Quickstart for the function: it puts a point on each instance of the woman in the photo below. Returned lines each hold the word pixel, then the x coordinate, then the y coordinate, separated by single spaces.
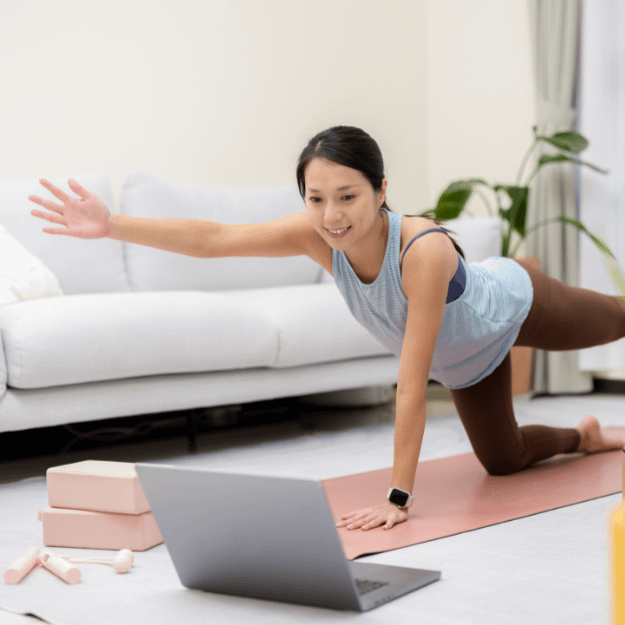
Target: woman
pixel 408 283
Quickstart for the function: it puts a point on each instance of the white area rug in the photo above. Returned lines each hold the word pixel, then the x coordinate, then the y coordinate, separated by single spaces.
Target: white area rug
pixel 548 568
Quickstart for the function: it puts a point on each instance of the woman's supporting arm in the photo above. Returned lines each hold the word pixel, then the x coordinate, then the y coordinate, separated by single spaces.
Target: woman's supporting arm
pixel 409 428
pixel 425 281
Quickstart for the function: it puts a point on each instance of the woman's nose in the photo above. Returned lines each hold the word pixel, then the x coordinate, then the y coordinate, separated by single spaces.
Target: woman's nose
pixel 333 212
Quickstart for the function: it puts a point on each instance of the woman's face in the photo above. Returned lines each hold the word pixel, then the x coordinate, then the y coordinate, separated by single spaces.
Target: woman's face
pixel 341 203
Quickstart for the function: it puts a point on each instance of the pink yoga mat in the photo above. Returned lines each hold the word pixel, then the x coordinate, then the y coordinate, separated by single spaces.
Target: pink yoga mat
pixel 455 495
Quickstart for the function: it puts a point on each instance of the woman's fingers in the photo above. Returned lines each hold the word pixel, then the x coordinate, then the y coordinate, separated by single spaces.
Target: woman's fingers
pixel 78 189
pixel 369 522
pixel 58 193
pixel 64 231
pixel 369 518
pixel 52 206
pixel 353 516
pixel 377 520
pixel 55 219
pixel 357 519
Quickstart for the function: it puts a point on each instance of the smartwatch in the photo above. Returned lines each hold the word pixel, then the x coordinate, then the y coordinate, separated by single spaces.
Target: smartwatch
pixel 399 497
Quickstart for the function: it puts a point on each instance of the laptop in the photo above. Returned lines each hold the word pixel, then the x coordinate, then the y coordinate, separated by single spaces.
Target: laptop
pixel 265 537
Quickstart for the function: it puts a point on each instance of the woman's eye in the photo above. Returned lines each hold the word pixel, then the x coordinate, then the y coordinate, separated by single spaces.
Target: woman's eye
pixel 313 199
pixel 348 197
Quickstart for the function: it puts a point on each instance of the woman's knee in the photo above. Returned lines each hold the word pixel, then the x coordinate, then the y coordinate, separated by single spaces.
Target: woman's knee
pixel 502 465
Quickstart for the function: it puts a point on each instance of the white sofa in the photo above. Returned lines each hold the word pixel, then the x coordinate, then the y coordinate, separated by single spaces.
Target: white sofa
pixel 139 331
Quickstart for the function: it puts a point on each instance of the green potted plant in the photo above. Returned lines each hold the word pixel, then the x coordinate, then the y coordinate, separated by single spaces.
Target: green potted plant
pixel 511 206
pixel 511 200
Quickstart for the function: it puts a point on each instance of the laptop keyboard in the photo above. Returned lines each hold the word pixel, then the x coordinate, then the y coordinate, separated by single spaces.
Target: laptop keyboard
pixel 367 585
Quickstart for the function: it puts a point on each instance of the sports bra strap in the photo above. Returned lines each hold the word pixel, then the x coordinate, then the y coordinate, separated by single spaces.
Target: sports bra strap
pixel 401 262
pixel 457 284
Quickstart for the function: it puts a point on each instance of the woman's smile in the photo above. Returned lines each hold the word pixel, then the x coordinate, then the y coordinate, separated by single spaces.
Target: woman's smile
pixel 338 232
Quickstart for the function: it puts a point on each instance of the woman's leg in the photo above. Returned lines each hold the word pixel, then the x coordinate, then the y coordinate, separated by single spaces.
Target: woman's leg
pixel 566 317
pixel 487 413
pixel 561 317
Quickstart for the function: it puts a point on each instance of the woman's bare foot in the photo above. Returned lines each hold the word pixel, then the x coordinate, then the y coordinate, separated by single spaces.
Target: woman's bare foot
pixel 594 438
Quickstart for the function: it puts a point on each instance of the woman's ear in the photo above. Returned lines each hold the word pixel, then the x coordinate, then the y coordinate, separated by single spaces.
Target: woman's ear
pixel 382 192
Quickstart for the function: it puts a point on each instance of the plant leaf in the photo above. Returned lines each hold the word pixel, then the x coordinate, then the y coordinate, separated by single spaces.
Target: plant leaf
pixel 469 183
pixel 607 256
pixel 597 241
pixel 563 158
pixel 451 209
pixel 516 214
pixel 454 198
pixel 615 272
pixel 569 141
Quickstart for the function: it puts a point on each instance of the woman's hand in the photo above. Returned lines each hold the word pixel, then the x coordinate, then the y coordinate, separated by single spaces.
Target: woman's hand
pixel 85 217
pixel 368 518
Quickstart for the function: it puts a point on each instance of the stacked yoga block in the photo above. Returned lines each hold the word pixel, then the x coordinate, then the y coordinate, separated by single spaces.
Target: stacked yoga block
pixel 97 504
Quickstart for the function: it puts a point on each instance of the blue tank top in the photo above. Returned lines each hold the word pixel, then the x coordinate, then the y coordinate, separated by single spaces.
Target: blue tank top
pixel 481 321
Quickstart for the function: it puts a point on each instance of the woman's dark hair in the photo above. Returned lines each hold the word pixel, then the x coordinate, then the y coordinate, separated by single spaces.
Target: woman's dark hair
pixel 346 146
pixel 354 148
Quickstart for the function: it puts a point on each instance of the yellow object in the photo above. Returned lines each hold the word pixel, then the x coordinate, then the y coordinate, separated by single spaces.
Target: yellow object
pixel 618 566
pixel 617 540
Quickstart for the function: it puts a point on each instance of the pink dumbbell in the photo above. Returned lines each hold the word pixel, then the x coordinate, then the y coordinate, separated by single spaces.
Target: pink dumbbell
pixel 60 565
pixel 19 569
pixel 61 568
pixel 122 561
pixel 32 558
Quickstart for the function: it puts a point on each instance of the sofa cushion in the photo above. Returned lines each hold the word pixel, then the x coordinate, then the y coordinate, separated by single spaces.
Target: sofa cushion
pixel 79 266
pixel 87 338
pixel 22 275
pixel 313 322
pixel 144 195
pixel 479 237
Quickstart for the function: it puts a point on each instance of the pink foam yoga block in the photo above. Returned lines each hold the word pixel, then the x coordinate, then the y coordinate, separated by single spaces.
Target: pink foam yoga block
pixel 96 485
pixel 84 529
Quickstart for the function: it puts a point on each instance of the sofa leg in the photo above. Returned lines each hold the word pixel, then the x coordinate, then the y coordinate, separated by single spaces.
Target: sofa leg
pixel 192 419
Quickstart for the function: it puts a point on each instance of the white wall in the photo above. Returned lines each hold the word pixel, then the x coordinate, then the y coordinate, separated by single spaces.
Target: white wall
pixel 228 92
pixel 481 95
pixel 224 92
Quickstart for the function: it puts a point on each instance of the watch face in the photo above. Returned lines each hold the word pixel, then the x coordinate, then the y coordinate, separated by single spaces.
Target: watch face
pixel 398 497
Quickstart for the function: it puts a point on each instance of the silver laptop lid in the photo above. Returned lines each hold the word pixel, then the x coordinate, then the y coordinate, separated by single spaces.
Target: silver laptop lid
pixel 250 535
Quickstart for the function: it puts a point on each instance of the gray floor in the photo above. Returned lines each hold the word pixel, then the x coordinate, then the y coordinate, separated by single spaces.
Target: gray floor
pixel 551 567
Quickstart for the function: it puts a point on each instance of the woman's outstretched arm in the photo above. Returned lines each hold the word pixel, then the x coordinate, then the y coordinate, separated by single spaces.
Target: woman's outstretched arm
pixel 87 217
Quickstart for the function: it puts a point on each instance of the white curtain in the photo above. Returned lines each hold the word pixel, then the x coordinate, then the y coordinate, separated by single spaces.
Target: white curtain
pixel 602 122
pixel 555 27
